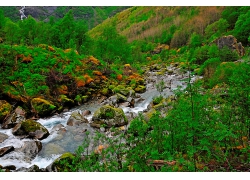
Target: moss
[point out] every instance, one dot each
(30, 125)
(5, 109)
(157, 100)
(66, 101)
(85, 98)
(121, 89)
(107, 112)
(63, 163)
(140, 89)
(105, 91)
(42, 107)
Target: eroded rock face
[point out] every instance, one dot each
(76, 118)
(109, 116)
(14, 118)
(31, 129)
(231, 42)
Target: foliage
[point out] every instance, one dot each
(242, 27)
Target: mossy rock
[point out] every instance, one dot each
(109, 116)
(5, 109)
(157, 100)
(121, 98)
(85, 98)
(121, 89)
(140, 89)
(30, 128)
(149, 114)
(62, 164)
(66, 101)
(105, 91)
(42, 107)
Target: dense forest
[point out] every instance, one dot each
(47, 67)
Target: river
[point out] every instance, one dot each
(70, 138)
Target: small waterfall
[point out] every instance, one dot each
(22, 12)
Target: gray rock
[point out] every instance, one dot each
(6, 150)
(31, 129)
(14, 118)
(108, 116)
(30, 149)
(3, 137)
(86, 113)
(76, 118)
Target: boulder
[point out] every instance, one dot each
(6, 150)
(31, 129)
(86, 113)
(121, 89)
(57, 166)
(5, 109)
(3, 137)
(109, 116)
(42, 107)
(30, 149)
(76, 118)
(14, 118)
(231, 42)
(33, 168)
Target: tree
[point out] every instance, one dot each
(242, 28)
(12, 31)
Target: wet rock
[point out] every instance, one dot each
(125, 104)
(57, 127)
(6, 150)
(10, 168)
(42, 107)
(86, 113)
(3, 137)
(30, 149)
(76, 118)
(5, 109)
(109, 116)
(31, 129)
(52, 148)
(33, 168)
(14, 118)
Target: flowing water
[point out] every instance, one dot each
(65, 138)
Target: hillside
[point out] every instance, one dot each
(93, 15)
(152, 23)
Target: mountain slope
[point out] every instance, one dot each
(93, 15)
(151, 23)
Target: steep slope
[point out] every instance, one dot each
(173, 25)
(93, 15)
